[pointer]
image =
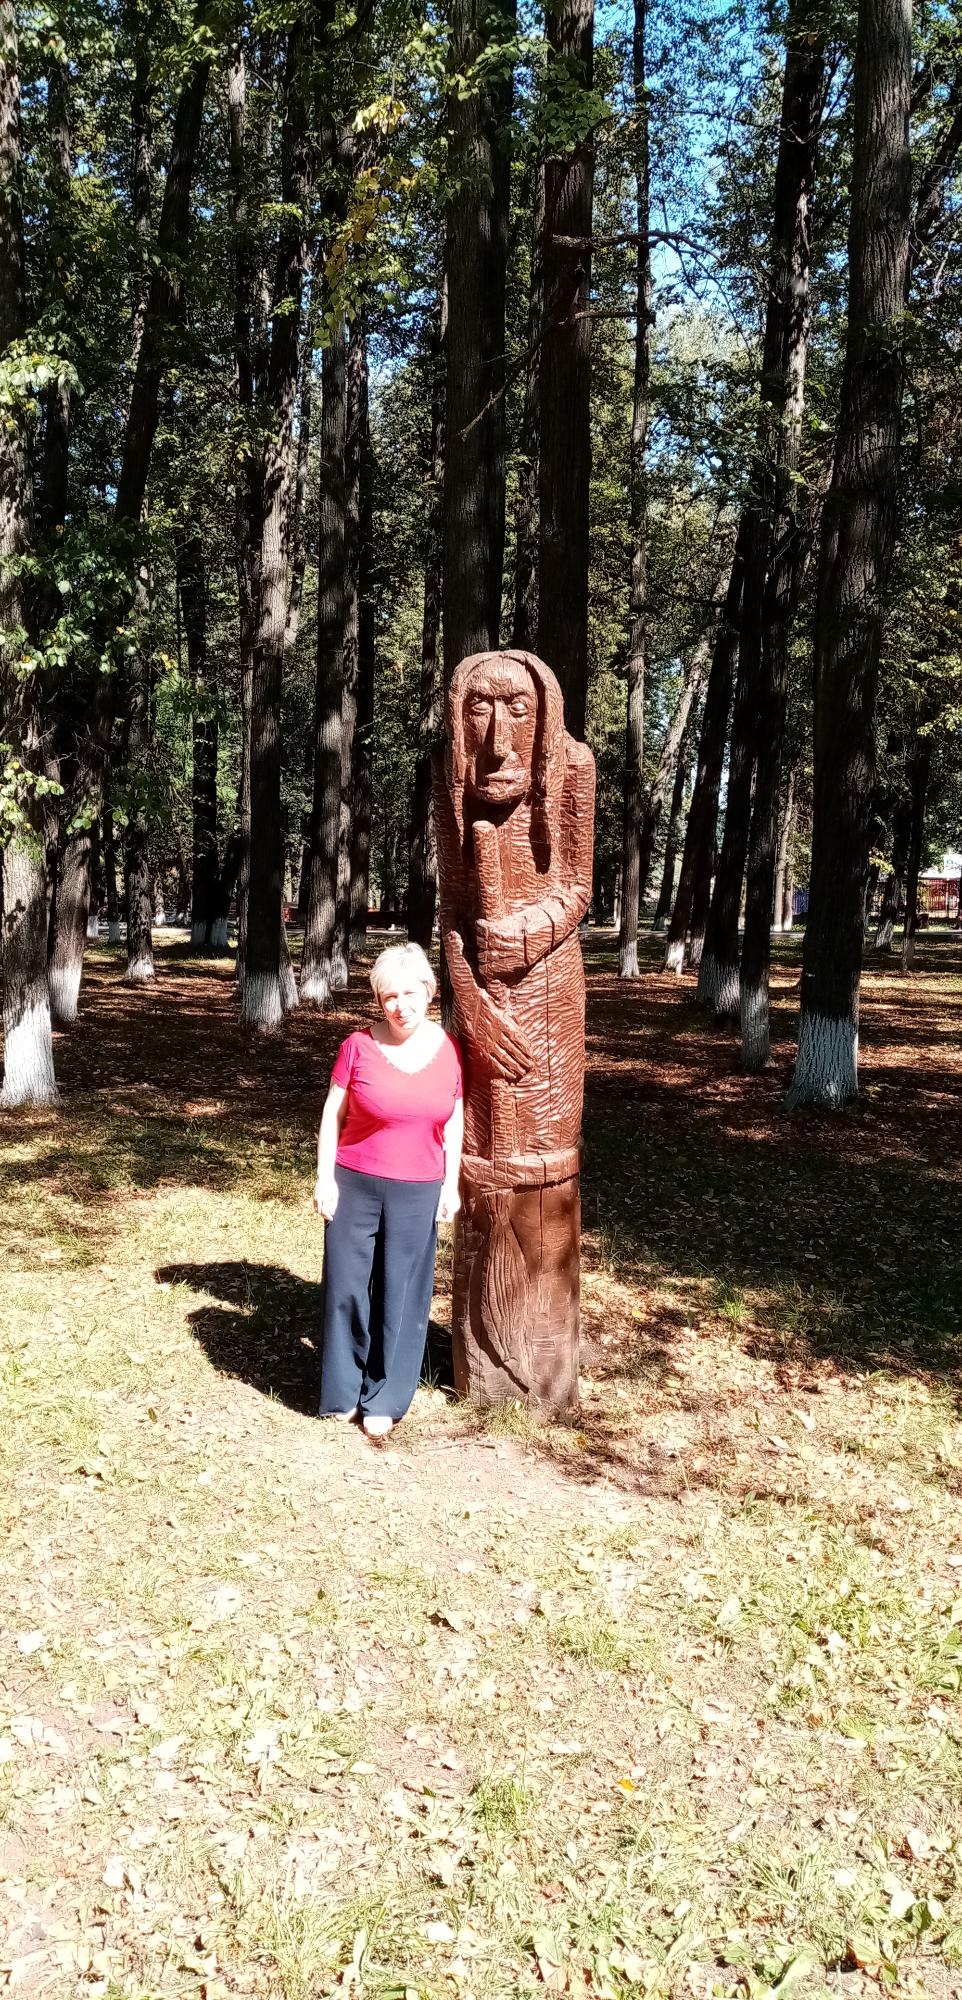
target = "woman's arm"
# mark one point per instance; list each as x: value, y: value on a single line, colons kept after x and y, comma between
x: 331, y: 1126
x: 449, y: 1200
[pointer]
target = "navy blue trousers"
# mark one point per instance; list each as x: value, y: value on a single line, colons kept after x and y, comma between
x: 379, y: 1256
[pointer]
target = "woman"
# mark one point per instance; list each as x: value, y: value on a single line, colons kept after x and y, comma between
x: 388, y: 1160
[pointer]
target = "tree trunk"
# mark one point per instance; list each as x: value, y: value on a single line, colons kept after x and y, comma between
x: 670, y: 752
x: 783, y: 886
x: 247, y: 491
x: 366, y: 653
x: 193, y: 582
x: 423, y: 860
x: 564, y: 469
x: 858, y: 532
x: 920, y: 767
x: 634, y: 813
x: 357, y: 414
x: 526, y: 519
x: 329, y: 679
x: 699, y: 849
x: 783, y: 538
x: 268, y: 990
x: 154, y: 320
x: 666, y: 893
x: 476, y: 257
x: 110, y: 872
x: 28, y: 1076
x: 138, y: 873
x: 73, y: 894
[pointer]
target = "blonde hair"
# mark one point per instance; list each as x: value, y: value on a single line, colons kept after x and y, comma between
x: 398, y: 961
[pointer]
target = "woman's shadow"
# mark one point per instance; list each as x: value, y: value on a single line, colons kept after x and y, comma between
x: 266, y: 1329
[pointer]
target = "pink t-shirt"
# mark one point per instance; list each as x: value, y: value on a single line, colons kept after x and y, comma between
x: 395, y: 1118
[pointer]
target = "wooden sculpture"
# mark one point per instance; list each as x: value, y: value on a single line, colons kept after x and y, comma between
x: 514, y: 808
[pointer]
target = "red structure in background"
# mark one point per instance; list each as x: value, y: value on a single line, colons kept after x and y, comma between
x: 939, y: 897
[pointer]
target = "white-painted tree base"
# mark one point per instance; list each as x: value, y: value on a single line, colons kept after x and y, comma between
x: 93, y: 926
x: 289, y: 995
x: 696, y: 946
x: 218, y: 935
x: 675, y: 957
x: 660, y: 924
x: 28, y: 1074
x: 826, y: 1067
x: 140, y: 972
x: 198, y: 936
x: 883, y: 938
x: 315, y: 989
x: 339, y: 971
x: 261, y: 1005
x: 64, y: 984
x: 628, y: 961
x: 114, y: 931
x: 756, y: 1044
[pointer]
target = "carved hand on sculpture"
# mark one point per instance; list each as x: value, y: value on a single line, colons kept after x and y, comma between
x: 506, y: 1049
x: 501, y: 951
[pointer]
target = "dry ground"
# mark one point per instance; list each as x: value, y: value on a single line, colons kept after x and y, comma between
x: 666, y: 1703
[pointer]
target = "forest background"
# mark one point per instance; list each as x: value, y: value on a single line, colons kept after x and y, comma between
x: 338, y: 344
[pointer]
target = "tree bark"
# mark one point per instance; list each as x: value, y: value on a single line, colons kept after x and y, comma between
x: 28, y: 1076
x: 268, y: 990
x: 476, y: 256
x: 247, y: 489
x: 634, y: 814
x: 526, y: 521
x: 920, y: 768
x: 782, y: 531
x: 423, y: 861
x: 858, y: 532
x: 666, y: 894
x: 670, y: 752
x: 329, y: 679
x: 564, y: 469
x: 138, y: 873
x: 193, y: 583
x: 783, y: 882
x: 357, y: 417
x: 155, y: 316
x: 110, y: 871
x: 366, y: 653
x: 699, y: 849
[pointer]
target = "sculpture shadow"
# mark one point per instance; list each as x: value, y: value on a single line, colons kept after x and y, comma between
x: 261, y: 1324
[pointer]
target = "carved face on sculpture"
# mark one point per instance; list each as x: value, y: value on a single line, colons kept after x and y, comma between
x: 500, y: 724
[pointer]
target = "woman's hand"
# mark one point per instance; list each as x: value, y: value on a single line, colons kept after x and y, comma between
x: 449, y: 1201
x: 325, y: 1198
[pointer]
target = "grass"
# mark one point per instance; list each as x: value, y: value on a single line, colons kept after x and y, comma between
x: 663, y: 1701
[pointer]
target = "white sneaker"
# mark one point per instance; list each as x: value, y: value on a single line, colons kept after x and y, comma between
x: 378, y: 1427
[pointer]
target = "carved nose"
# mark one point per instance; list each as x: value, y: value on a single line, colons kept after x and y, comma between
x: 500, y: 738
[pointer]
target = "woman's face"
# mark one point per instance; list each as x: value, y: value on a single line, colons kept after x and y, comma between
x: 404, y: 1006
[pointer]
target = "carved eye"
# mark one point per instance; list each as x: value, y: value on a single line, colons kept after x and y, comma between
x: 520, y: 706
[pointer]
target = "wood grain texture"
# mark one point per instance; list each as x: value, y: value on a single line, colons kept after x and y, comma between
x: 514, y: 807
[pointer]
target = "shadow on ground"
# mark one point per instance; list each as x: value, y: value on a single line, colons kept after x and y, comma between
x: 264, y: 1328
